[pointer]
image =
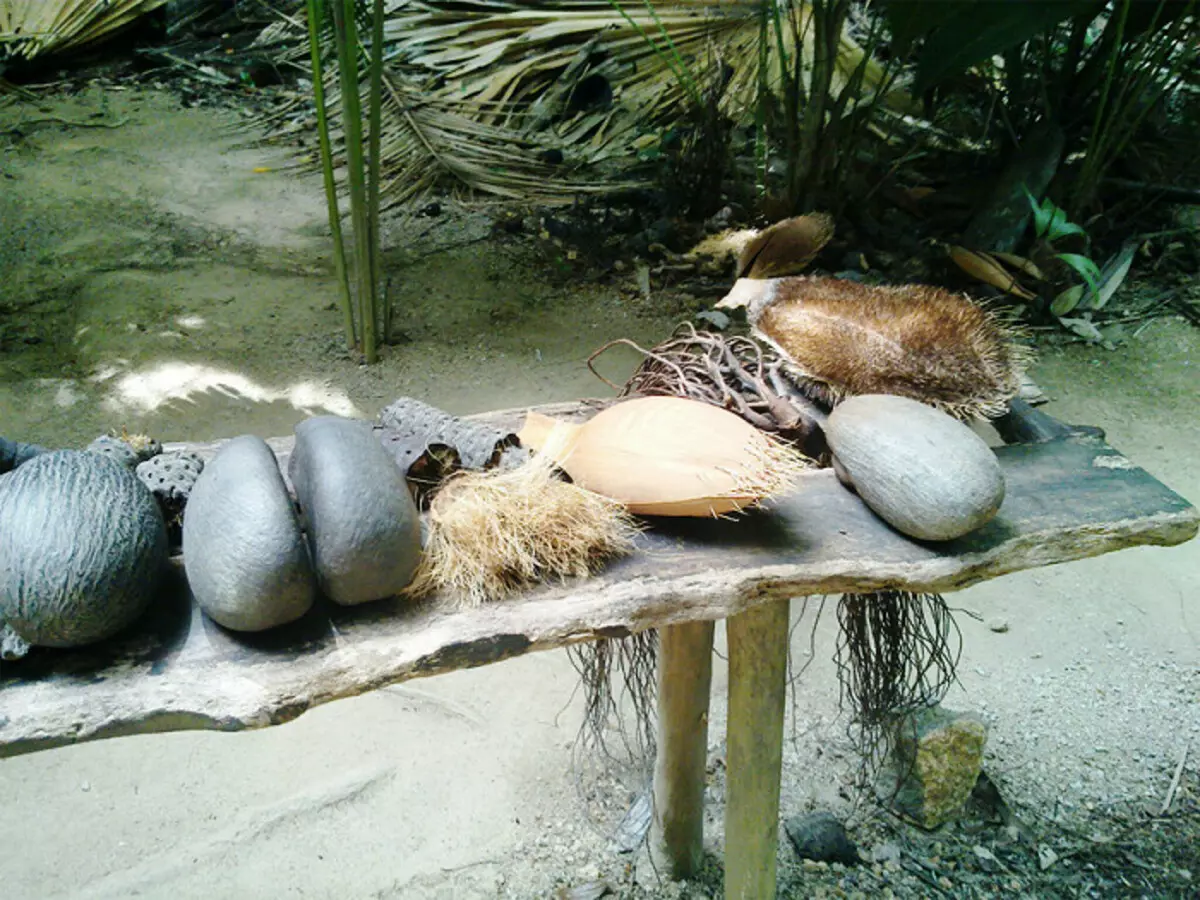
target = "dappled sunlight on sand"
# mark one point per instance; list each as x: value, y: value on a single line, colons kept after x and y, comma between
x: 147, y: 389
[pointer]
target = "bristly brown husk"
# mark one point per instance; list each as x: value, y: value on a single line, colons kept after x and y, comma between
x: 917, y: 341
x: 493, y: 533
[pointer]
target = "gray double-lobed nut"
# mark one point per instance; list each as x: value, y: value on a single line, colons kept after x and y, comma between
x: 243, y: 549
x: 363, y: 526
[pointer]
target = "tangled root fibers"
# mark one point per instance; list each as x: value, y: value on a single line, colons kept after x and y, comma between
x: 897, y: 652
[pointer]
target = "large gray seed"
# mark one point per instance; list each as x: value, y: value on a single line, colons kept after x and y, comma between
x: 363, y: 526
x: 13, y: 453
x: 83, y: 548
x: 920, y: 470
x: 243, y: 550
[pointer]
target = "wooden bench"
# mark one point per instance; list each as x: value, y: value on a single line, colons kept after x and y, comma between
x: 1069, y: 496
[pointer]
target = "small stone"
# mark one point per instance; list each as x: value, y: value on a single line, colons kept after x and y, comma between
x: 12, y: 645
x: 821, y: 837
x: 1046, y: 857
x: 591, y: 890
x: 998, y: 624
x: 888, y: 852
x: 936, y: 761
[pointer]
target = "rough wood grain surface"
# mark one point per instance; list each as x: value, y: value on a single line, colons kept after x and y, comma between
x: 758, y: 655
x: 685, y: 653
x: 1067, y: 499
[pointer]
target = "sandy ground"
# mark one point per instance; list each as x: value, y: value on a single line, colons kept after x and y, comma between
x: 153, y: 279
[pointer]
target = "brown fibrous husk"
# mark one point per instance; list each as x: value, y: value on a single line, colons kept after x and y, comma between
x: 917, y: 341
x: 493, y: 533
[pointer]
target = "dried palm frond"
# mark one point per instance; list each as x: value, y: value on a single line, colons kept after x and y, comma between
x: 30, y: 28
x: 480, y: 90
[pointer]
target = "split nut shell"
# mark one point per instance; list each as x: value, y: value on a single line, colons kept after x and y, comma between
x: 245, y: 557
x: 922, y: 471
x: 363, y: 525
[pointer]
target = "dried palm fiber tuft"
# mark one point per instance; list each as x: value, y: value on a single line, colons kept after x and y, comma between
x: 617, y: 675
x: 785, y: 248
x: 30, y: 28
x: 492, y: 533
x: 670, y: 456
x: 918, y: 341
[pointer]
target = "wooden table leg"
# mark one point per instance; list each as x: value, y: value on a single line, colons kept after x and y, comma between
x: 758, y: 653
x: 684, y: 680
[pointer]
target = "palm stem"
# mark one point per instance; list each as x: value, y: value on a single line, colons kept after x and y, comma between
x: 375, y: 116
x: 316, y: 13
x: 347, y: 42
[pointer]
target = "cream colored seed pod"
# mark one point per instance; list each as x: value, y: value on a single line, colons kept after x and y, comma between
x: 669, y: 456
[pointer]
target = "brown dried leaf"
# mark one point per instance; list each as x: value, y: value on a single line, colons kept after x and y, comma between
x: 1028, y: 266
x: 985, y: 268
x: 786, y: 248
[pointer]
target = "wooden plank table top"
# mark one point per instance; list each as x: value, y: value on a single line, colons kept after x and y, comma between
x: 1067, y: 499
x: 1069, y: 496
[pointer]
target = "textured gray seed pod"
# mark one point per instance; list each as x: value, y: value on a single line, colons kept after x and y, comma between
x: 171, y: 476
x: 115, y: 449
x: 922, y: 471
x: 243, y: 550
x: 363, y: 526
x: 84, y: 548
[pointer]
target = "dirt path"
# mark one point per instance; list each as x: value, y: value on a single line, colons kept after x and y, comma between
x: 154, y: 278
x: 166, y: 279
